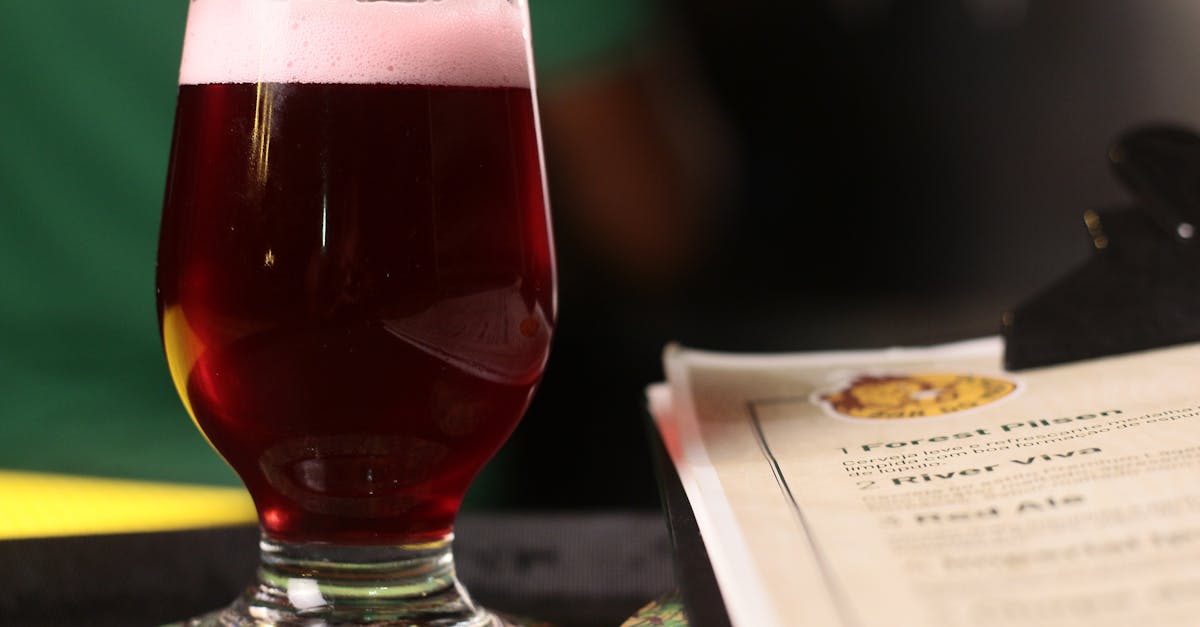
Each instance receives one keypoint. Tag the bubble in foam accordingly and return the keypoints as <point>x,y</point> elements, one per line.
<point>459,42</point>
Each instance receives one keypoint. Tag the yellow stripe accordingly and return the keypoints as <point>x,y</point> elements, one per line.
<point>34,505</point>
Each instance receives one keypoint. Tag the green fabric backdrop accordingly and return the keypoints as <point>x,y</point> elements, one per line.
<point>87,95</point>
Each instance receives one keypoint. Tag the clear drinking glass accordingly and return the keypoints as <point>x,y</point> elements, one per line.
<point>356,284</point>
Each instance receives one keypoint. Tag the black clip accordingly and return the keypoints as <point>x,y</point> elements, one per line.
<point>1141,289</point>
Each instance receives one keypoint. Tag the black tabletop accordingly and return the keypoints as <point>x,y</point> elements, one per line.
<point>571,569</point>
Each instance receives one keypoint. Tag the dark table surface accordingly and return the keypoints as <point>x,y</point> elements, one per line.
<point>575,570</point>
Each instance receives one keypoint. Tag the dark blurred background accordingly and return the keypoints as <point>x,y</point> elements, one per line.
<point>737,176</point>
<point>889,173</point>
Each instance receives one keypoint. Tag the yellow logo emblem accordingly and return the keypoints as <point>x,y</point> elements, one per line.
<point>915,395</point>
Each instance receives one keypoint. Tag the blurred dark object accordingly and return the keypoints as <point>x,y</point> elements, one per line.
<point>1141,288</point>
<point>573,570</point>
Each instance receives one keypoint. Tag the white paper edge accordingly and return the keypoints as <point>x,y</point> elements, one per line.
<point>979,347</point>
<point>742,588</point>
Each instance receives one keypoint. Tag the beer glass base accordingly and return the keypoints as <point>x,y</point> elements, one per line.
<point>237,614</point>
<point>310,585</point>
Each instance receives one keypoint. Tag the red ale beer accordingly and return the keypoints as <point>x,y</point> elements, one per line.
<point>355,277</point>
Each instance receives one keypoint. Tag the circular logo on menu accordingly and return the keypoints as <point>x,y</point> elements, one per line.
<point>885,397</point>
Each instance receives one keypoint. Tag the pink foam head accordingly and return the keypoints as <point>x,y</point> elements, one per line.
<point>419,42</point>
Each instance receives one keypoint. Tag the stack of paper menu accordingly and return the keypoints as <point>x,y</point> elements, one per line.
<point>929,487</point>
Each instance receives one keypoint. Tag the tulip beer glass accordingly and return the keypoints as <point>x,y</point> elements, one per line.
<point>356,284</point>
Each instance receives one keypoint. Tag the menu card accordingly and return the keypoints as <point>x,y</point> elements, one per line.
<point>930,487</point>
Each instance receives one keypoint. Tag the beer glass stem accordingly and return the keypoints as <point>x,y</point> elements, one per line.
<point>303,584</point>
